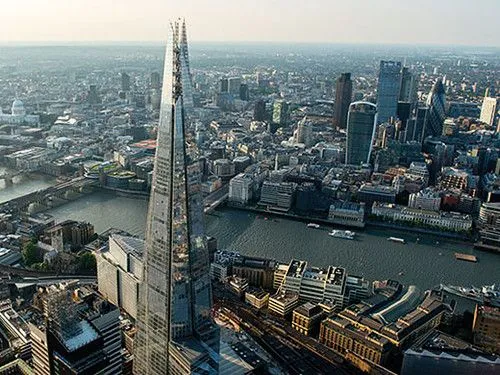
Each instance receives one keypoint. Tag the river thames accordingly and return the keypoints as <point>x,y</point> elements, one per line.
<point>427,263</point>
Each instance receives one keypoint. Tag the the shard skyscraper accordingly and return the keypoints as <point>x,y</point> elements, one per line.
<point>176,334</point>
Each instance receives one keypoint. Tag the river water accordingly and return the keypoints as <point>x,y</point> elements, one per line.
<point>425,264</point>
<point>23,185</point>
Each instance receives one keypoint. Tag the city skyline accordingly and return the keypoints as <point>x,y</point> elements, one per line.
<point>386,22</point>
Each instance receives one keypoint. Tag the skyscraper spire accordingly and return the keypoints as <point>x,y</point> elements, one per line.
<point>175,330</point>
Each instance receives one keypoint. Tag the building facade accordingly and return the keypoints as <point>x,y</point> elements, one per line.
<point>361,121</point>
<point>343,95</point>
<point>176,334</point>
<point>388,89</point>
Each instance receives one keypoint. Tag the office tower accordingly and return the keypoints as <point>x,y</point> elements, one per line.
<point>436,112</point>
<point>259,112</point>
<point>244,95</point>
<point>119,271</point>
<point>280,112</point>
<point>233,86</point>
<point>389,82</point>
<point>77,333</point>
<point>175,332</point>
<point>409,86</point>
<point>155,81</point>
<point>361,121</point>
<point>93,95</point>
<point>403,113</point>
<point>223,85</point>
<point>304,132</point>
<point>125,82</point>
<point>489,110</point>
<point>343,96</point>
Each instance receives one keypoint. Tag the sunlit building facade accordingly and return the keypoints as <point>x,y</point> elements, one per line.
<point>176,334</point>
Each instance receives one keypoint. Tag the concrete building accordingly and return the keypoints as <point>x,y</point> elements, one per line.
<point>427,199</point>
<point>78,333</point>
<point>368,194</point>
<point>438,353</point>
<point>241,189</point>
<point>322,284</point>
<point>233,86</point>
<point>119,272</point>
<point>489,225</point>
<point>283,302</point>
<point>257,298</point>
<point>277,195</point>
<point>361,124</point>
<point>238,285</point>
<point>258,271</point>
<point>489,110</point>
<point>280,112</point>
<point>486,328</point>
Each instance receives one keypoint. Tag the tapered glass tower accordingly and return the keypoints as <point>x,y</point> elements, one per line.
<point>176,334</point>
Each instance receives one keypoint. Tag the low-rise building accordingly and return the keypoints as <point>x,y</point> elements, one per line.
<point>438,353</point>
<point>282,303</point>
<point>451,221</point>
<point>376,193</point>
<point>486,328</point>
<point>277,195</point>
<point>258,271</point>
<point>489,226</point>
<point>426,199</point>
<point>257,298</point>
<point>347,213</point>
<point>238,285</point>
<point>307,318</point>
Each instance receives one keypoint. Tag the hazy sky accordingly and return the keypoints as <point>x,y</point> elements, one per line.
<point>471,22</point>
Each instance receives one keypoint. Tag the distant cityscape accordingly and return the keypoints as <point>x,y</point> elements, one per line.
<point>343,140</point>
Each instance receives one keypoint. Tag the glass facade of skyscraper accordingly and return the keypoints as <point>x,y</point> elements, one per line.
<point>388,90</point>
<point>175,332</point>
<point>361,121</point>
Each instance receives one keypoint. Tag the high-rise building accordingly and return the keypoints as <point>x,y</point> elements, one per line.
<point>233,86</point>
<point>361,121</point>
<point>409,86</point>
<point>259,113</point>
<point>304,132</point>
<point>155,81</point>
<point>388,90</point>
<point>78,333</point>
<point>489,110</point>
<point>436,112</point>
<point>244,95</point>
<point>176,334</point>
<point>223,85</point>
<point>343,95</point>
<point>119,271</point>
<point>125,81</point>
<point>280,112</point>
<point>93,95</point>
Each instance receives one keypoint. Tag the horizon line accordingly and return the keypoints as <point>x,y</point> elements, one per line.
<point>222,42</point>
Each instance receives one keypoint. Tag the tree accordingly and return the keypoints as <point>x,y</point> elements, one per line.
<point>30,253</point>
<point>87,262</point>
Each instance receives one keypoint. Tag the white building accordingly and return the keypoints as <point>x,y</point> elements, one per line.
<point>18,116</point>
<point>119,272</point>
<point>489,110</point>
<point>426,199</point>
<point>241,188</point>
<point>444,220</point>
<point>323,284</point>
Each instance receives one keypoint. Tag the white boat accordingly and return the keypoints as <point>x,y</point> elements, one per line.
<point>345,234</point>
<point>396,239</point>
<point>313,225</point>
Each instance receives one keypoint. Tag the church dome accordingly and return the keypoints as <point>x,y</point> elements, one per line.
<point>18,108</point>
